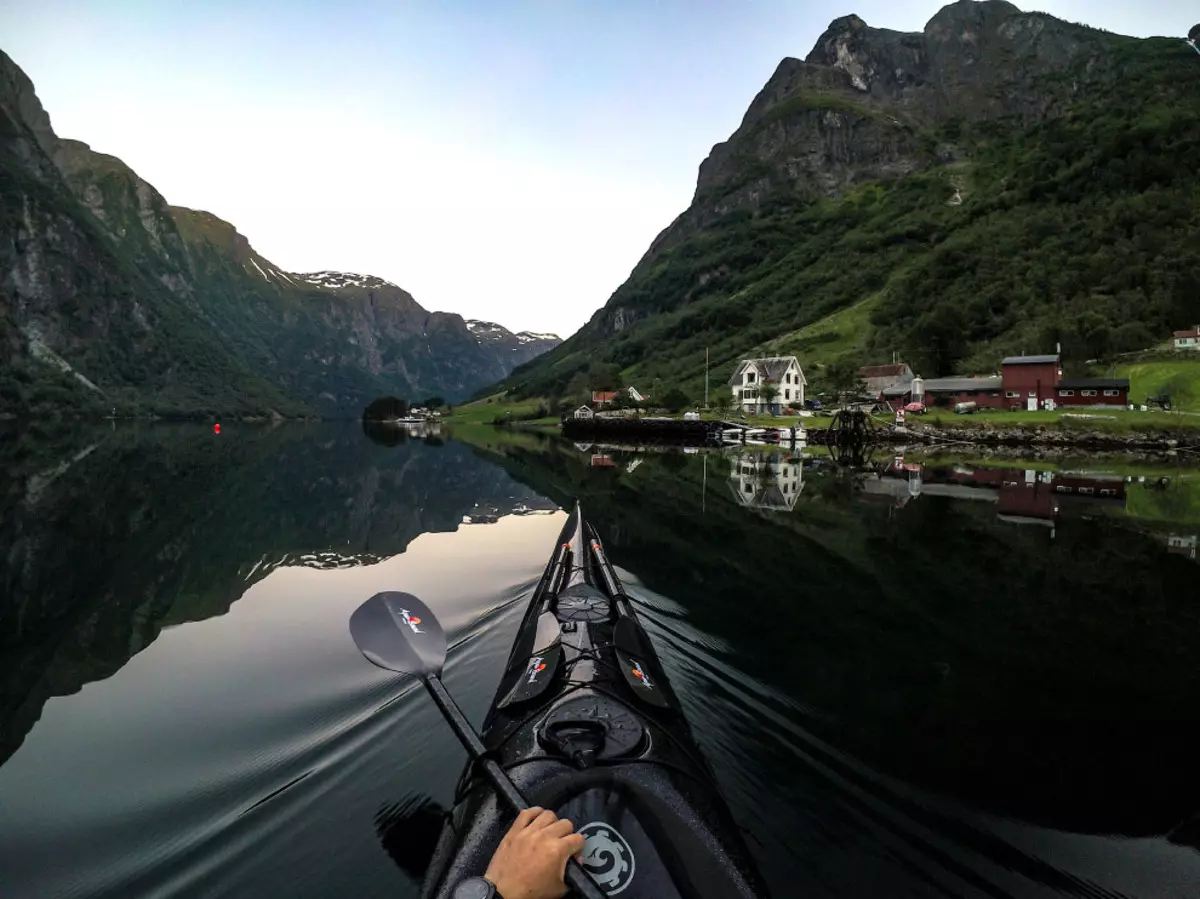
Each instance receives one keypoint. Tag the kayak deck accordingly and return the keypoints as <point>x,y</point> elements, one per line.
<point>585,723</point>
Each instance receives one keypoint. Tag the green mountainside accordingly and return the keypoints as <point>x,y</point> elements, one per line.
<point>111,297</point>
<point>1002,182</point>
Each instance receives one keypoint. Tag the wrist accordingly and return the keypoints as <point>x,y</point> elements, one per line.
<point>504,890</point>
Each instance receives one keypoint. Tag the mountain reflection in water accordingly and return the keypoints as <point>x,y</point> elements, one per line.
<point>911,679</point>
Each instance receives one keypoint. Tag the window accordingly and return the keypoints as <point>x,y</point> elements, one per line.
<point>1066,393</point>
<point>1087,393</point>
<point>787,394</point>
<point>1112,393</point>
<point>747,394</point>
<point>1033,393</point>
<point>749,377</point>
<point>993,393</point>
<point>1011,394</point>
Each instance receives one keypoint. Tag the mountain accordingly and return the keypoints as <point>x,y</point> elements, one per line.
<point>511,349</point>
<point>110,296</point>
<point>1000,182</point>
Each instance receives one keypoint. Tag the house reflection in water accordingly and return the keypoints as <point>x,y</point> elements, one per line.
<point>766,481</point>
<point>1022,496</point>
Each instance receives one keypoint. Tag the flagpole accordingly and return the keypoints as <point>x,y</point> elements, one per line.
<point>706,377</point>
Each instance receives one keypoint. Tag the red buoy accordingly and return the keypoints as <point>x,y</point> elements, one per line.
<point>216,429</point>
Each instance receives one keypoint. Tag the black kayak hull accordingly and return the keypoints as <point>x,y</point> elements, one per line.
<point>585,723</point>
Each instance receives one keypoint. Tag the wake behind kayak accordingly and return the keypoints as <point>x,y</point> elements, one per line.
<point>585,723</point>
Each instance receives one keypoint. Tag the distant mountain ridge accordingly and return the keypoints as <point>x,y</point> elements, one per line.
<point>999,182</point>
<point>112,297</point>
<point>515,349</point>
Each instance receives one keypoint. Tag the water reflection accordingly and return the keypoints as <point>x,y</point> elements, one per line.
<point>146,528</point>
<point>906,686</point>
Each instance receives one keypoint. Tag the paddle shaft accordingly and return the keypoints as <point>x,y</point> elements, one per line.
<point>576,878</point>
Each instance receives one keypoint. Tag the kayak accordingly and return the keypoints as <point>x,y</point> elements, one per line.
<point>585,723</point>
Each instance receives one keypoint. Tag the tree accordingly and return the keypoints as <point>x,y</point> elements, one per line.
<point>842,377</point>
<point>577,388</point>
<point>433,402</point>
<point>674,400</point>
<point>722,401</point>
<point>768,392</point>
<point>386,408</point>
<point>604,376</point>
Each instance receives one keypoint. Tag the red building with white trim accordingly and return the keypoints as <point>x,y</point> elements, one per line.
<point>1025,382</point>
<point>1029,381</point>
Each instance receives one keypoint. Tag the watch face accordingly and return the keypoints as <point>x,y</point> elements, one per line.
<point>474,888</point>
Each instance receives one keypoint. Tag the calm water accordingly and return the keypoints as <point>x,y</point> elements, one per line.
<point>946,680</point>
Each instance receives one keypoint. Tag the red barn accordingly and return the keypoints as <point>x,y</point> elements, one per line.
<point>1092,392</point>
<point>1029,381</point>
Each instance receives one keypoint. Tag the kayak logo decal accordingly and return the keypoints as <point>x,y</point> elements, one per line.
<point>411,620</point>
<point>536,667</point>
<point>641,675</point>
<point>607,857</point>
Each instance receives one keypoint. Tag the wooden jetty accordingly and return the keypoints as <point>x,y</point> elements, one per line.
<point>643,430</point>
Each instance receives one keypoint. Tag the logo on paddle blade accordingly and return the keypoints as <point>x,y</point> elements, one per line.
<point>536,666</point>
<point>607,857</point>
<point>641,675</point>
<point>412,621</point>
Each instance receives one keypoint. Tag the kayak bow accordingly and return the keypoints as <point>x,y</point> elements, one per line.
<point>585,723</point>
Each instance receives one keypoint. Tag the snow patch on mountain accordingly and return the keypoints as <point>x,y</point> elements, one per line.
<point>338,280</point>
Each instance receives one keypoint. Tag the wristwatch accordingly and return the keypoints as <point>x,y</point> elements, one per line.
<point>475,888</point>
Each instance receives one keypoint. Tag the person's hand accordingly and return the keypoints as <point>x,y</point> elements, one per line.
<point>531,859</point>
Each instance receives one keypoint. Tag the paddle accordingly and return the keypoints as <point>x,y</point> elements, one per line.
<point>397,631</point>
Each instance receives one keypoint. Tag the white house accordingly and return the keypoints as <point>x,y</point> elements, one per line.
<point>584,412</point>
<point>781,371</point>
<point>1188,340</point>
<point>766,481</point>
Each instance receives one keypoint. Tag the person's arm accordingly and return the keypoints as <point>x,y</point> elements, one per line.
<point>532,858</point>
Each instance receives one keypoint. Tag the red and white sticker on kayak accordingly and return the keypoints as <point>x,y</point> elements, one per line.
<point>536,666</point>
<point>640,674</point>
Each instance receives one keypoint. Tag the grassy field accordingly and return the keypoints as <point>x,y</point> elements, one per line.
<point>1122,421</point>
<point>831,336</point>
<point>1178,377</point>
<point>486,410</point>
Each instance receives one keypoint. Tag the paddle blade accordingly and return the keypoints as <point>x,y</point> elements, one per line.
<point>398,632</point>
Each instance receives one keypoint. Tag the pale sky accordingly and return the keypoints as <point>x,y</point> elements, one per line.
<point>508,161</point>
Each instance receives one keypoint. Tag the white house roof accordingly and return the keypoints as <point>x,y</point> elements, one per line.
<point>770,367</point>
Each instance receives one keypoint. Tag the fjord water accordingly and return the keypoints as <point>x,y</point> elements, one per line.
<point>910,682</point>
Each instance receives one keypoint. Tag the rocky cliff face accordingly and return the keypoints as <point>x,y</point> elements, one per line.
<point>881,170</point>
<point>111,296</point>
<point>867,103</point>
